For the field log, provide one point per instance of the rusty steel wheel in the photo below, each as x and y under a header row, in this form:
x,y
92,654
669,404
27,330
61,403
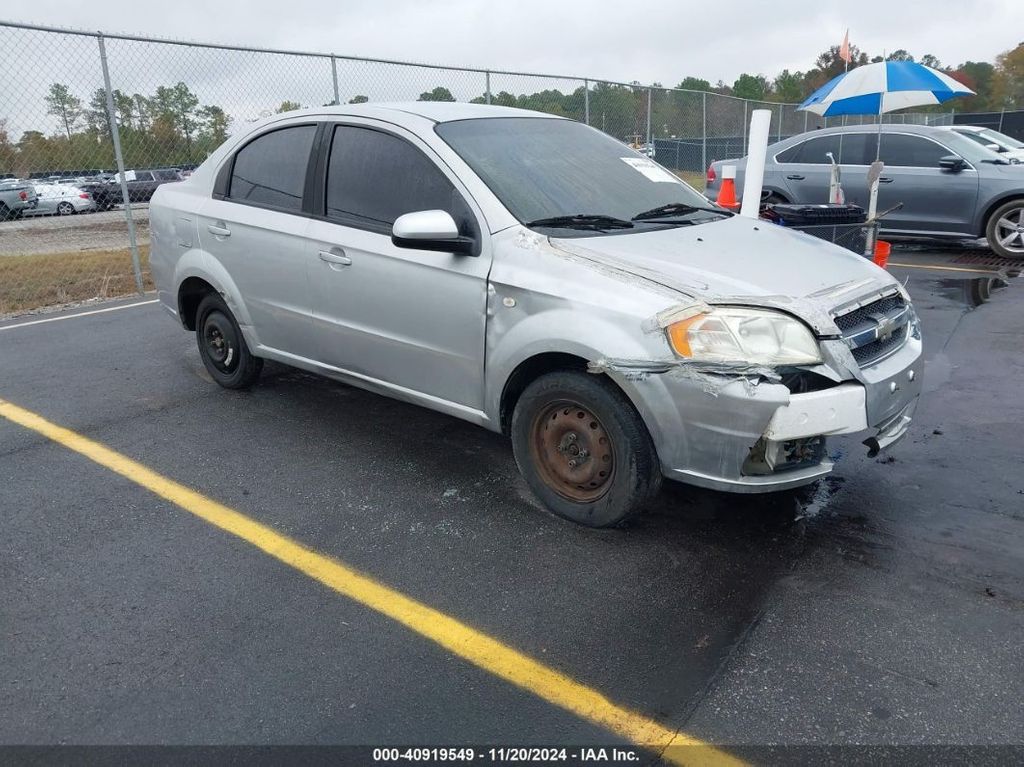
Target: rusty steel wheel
x,y
583,448
573,453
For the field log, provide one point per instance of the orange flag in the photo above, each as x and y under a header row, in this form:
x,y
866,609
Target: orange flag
x,y
844,49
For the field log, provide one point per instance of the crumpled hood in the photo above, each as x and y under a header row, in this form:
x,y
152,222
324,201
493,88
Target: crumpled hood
x,y
742,260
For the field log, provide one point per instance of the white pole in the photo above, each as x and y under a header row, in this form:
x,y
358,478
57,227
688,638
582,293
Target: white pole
x,y
757,150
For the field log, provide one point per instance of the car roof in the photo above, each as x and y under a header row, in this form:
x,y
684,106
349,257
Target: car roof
x,y
963,128
873,128
435,111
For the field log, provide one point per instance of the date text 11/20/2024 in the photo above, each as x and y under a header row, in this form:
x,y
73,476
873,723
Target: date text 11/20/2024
x,y
531,754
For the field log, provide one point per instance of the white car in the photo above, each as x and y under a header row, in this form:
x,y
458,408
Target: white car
x,y
1009,147
61,200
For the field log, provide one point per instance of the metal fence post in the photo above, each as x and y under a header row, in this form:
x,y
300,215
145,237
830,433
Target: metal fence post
x,y
805,120
115,136
1001,113
487,86
704,131
744,153
778,133
586,101
334,78
648,117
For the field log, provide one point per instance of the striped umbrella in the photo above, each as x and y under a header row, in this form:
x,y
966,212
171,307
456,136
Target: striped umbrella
x,y
874,89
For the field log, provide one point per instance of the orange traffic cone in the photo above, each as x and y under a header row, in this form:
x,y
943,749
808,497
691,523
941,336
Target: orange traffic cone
x,y
882,251
727,192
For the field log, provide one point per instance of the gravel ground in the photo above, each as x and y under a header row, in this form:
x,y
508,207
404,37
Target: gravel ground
x,y
69,234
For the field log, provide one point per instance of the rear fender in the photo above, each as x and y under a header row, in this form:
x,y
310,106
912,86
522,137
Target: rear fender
x,y
197,263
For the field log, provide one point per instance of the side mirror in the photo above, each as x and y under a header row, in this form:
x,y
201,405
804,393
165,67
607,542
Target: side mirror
x,y
952,163
994,147
430,230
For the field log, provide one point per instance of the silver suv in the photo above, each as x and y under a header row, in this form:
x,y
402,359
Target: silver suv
x,y
535,276
949,185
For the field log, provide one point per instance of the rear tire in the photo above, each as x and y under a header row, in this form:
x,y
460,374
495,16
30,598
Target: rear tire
x,y
5,213
221,345
65,209
583,449
1005,229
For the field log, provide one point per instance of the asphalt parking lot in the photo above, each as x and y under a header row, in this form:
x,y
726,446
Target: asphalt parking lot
x,y
884,606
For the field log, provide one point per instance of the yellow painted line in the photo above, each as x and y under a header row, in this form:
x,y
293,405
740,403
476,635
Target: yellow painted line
x,y
469,644
939,268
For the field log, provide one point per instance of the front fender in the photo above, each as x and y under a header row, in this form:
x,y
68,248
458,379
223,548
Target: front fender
x,y
516,334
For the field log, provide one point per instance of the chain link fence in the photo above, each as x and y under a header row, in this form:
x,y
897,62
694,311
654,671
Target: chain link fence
x,y
91,124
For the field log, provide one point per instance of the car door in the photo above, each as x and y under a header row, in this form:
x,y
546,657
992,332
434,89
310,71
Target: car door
x,y
254,226
856,151
805,169
412,320
142,188
933,200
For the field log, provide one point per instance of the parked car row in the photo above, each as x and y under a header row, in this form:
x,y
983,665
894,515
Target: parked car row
x,y
65,195
951,182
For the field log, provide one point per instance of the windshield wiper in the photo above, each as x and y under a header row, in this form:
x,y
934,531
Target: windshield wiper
x,y
676,209
582,221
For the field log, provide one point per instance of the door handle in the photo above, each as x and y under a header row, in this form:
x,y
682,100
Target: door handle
x,y
795,177
884,180
335,258
218,230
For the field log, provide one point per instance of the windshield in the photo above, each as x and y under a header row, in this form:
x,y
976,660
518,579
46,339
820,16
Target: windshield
x,y
995,137
551,169
969,148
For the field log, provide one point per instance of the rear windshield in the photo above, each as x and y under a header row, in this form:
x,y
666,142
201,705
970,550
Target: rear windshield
x,y
544,168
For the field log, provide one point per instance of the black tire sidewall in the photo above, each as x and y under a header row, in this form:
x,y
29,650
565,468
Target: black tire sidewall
x,y
637,474
247,370
990,229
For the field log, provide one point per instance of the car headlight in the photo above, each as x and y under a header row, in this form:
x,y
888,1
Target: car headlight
x,y
751,336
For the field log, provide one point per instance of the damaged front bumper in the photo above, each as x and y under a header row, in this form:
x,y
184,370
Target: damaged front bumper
x,y
748,433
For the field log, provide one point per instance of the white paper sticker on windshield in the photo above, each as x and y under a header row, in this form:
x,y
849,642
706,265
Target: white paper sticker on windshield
x,y
650,170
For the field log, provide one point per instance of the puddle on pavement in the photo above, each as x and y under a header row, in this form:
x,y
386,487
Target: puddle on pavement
x,y
971,292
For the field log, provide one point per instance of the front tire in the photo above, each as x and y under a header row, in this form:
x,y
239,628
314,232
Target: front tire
x,y
583,449
1005,229
221,345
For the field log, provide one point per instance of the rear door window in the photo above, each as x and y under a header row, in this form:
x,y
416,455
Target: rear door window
x,y
900,149
270,170
851,150
374,177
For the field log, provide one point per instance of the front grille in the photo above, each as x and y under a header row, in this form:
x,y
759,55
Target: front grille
x,y
851,320
876,330
883,347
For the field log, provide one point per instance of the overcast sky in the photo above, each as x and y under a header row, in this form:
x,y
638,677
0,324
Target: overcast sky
x,y
617,40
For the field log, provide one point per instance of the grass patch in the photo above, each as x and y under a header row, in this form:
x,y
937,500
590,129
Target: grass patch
x,y
694,178
48,279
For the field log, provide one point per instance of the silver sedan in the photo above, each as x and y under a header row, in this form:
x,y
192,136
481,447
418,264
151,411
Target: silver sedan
x,y
536,277
61,200
950,186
